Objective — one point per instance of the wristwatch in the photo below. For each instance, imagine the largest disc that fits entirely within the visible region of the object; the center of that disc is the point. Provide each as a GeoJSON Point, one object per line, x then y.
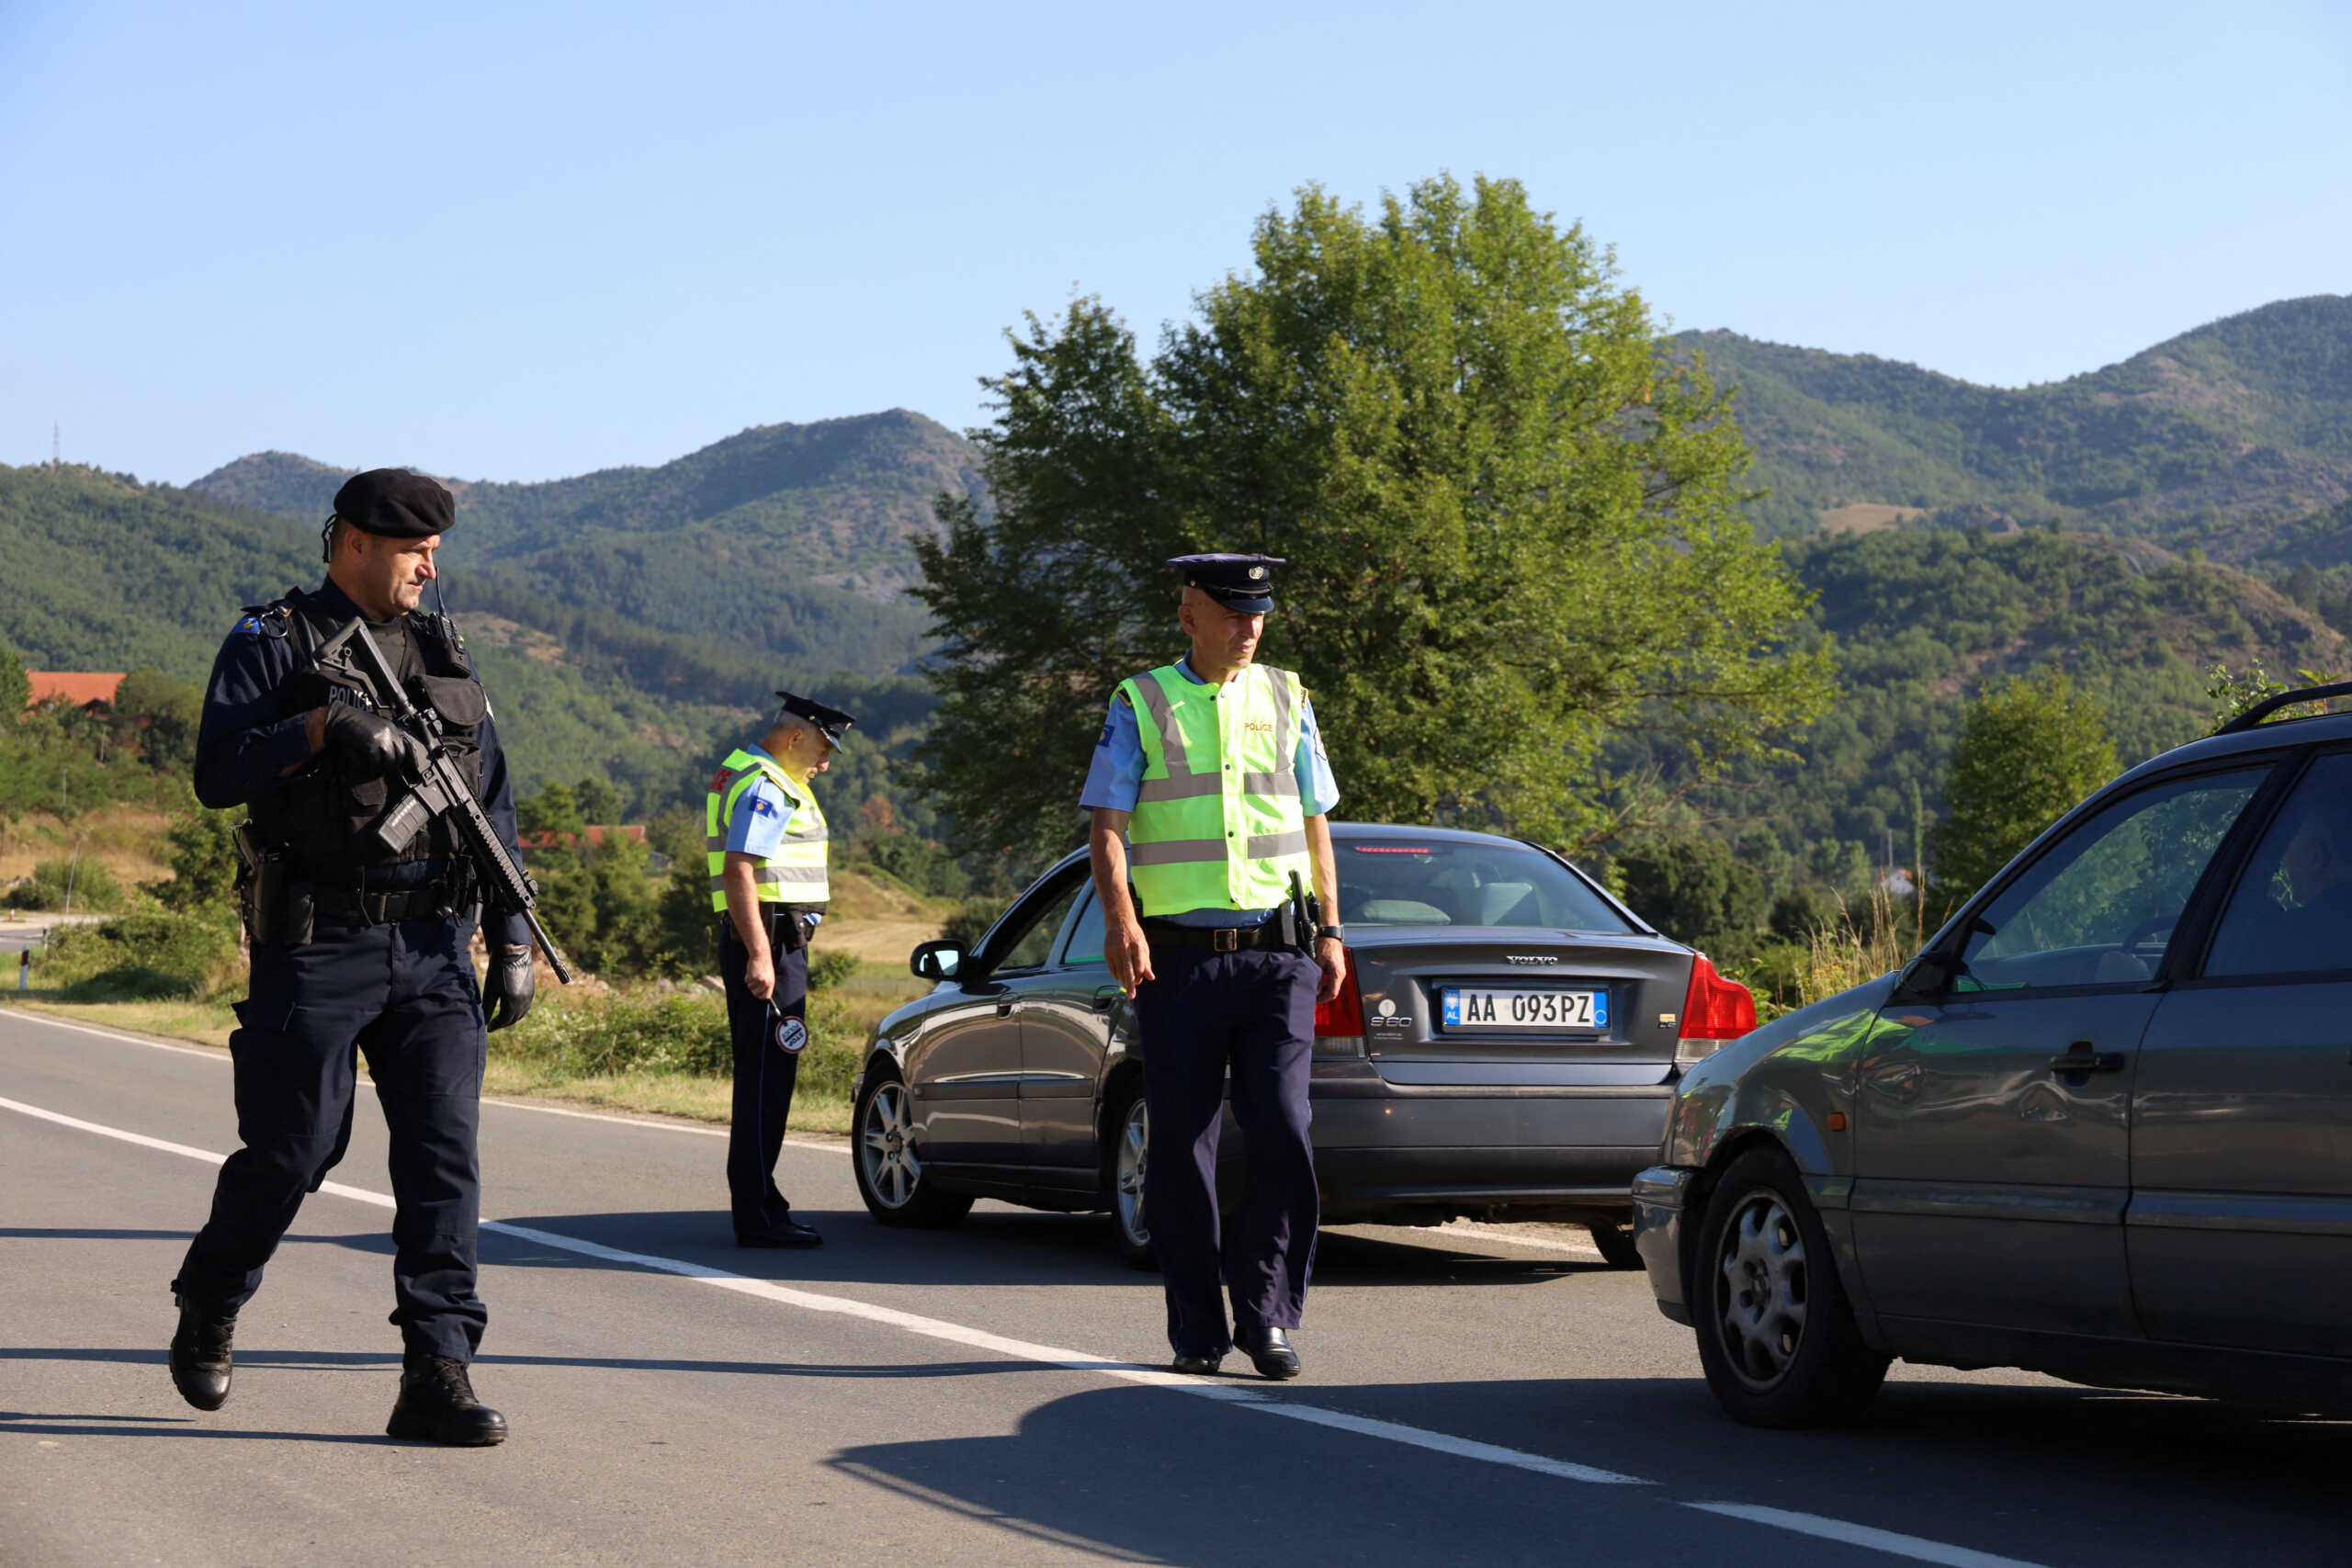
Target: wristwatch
{"type": "Point", "coordinates": [1336, 933]}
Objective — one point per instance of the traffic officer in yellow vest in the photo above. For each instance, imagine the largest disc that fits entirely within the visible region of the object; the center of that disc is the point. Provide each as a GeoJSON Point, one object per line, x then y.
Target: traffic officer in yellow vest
{"type": "Point", "coordinates": [1211, 794]}
{"type": "Point", "coordinates": [765, 842]}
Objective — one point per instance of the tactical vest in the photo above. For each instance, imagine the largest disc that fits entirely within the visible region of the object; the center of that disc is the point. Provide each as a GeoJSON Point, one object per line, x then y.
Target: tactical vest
{"type": "Point", "coordinates": [318, 814]}
{"type": "Point", "coordinates": [795, 874]}
{"type": "Point", "coordinates": [1217, 823]}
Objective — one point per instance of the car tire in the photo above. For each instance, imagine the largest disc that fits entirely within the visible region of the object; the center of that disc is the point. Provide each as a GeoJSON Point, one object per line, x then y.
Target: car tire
{"type": "Point", "coordinates": [1126, 1152]}
{"type": "Point", "coordinates": [891, 1175]}
{"type": "Point", "coordinates": [1616, 1242]}
{"type": "Point", "coordinates": [1776, 1334]}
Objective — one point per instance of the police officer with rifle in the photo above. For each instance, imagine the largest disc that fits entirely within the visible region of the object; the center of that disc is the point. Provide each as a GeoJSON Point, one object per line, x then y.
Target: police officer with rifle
{"type": "Point", "coordinates": [352, 727]}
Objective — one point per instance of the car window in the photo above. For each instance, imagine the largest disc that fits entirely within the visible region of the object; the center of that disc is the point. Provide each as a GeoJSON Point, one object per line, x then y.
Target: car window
{"type": "Point", "coordinates": [1085, 944]}
{"type": "Point", "coordinates": [1026, 947]}
{"type": "Point", "coordinates": [1406, 880]}
{"type": "Point", "coordinates": [2292, 910]}
{"type": "Point", "coordinates": [2099, 907]}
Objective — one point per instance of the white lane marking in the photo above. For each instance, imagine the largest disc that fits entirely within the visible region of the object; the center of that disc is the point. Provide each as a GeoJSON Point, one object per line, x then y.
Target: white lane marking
{"type": "Point", "coordinates": [1916, 1548]}
{"type": "Point", "coordinates": [217, 1053]}
{"type": "Point", "coordinates": [214, 1052]}
{"type": "Point", "coordinates": [935, 1328]}
{"type": "Point", "coordinates": [1478, 1233]}
{"type": "Point", "coordinates": [840, 1148]}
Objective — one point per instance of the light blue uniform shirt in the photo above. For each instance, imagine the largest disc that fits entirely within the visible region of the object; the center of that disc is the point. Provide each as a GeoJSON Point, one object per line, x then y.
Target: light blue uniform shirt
{"type": "Point", "coordinates": [761, 814]}
{"type": "Point", "coordinates": [1115, 781]}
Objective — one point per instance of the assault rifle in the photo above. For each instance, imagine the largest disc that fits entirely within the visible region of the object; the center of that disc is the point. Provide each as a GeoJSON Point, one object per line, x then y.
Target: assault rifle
{"type": "Point", "coordinates": [438, 791]}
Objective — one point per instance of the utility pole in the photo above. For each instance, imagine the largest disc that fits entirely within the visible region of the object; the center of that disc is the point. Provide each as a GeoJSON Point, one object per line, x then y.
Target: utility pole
{"type": "Point", "coordinates": [56, 447]}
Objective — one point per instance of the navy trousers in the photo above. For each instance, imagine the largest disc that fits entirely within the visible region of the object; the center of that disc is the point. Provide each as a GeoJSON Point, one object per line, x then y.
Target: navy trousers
{"type": "Point", "coordinates": [764, 1073]}
{"type": "Point", "coordinates": [1203, 1013]}
{"type": "Point", "coordinates": [405, 995]}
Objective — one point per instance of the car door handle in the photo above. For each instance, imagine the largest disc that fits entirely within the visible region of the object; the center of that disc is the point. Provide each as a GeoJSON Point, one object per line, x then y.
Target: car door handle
{"type": "Point", "coordinates": [2081, 1059]}
{"type": "Point", "coordinates": [1107, 998]}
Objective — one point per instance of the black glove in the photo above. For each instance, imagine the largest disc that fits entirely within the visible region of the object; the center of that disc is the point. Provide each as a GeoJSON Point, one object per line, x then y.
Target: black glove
{"type": "Point", "coordinates": [506, 989]}
{"type": "Point", "coordinates": [373, 744]}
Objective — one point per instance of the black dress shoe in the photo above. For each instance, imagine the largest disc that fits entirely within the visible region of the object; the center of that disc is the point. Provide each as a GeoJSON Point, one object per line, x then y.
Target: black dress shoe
{"type": "Point", "coordinates": [1198, 1366]}
{"type": "Point", "coordinates": [792, 1233]}
{"type": "Point", "coordinates": [1269, 1350]}
{"type": "Point", "coordinates": [201, 1353]}
{"type": "Point", "coordinates": [437, 1405]}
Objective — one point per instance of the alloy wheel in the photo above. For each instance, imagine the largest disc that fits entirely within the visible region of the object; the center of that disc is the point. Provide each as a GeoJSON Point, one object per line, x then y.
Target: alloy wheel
{"type": "Point", "coordinates": [1127, 1173]}
{"type": "Point", "coordinates": [886, 1148]}
{"type": "Point", "coordinates": [1760, 1294]}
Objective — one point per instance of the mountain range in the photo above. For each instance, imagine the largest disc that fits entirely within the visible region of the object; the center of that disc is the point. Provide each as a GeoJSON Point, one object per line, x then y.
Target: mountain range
{"type": "Point", "coordinates": [629, 618]}
{"type": "Point", "coordinates": [2235, 437]}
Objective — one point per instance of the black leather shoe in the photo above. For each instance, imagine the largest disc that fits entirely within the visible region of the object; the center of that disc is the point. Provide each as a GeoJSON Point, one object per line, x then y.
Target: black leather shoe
{"type": "Point", "coordinates": [1269, 1350]}
{"type": "Point", "coordinates": [1198, 1366]}
{"type": "Point", "coordinates": [437, 1405]}
{"type": "Point", "coordinates": [201, 1353]}
{"type": "Point", "coordinates": [792, 1233]}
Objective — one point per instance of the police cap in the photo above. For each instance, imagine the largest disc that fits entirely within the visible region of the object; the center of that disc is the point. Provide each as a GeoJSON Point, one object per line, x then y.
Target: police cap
{"type": "Point", "coordinates": [1239, 582]}
{"type": "Point", "coordinates": [396, 503]}
{"type": "Point", "coordinates": [831, 720]}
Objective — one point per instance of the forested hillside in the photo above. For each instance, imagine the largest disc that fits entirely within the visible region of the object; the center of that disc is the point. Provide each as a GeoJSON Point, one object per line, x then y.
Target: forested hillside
{"type": "Point", "coordinates": [2226, 436]}
{"type": "Point", "coordinates": [1924, 618]}
{"type": "Point", "coordinates": [107, 573]}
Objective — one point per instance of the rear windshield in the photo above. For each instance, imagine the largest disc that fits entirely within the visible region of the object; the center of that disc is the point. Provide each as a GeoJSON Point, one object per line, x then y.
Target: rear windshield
{"type": "Point", "coordinates": [1406, 881]}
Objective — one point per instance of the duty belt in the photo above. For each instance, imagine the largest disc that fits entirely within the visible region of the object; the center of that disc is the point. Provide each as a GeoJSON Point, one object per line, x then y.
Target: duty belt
{"type": "Point", "coordinates": [1217, 939]}
{"type": "Point", "coordinates": [390, 907]}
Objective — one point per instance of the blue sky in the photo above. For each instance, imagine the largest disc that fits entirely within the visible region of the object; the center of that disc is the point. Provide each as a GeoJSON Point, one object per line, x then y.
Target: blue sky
{"type": "Point", "coordinates": [507, 241]}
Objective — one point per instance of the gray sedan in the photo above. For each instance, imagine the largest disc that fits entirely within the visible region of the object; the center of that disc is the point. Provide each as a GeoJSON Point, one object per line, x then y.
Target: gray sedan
{"type": "Point", "coordinates": [2101, 1127]}
{"type": "Point", "coordinates": [1503, 1050]}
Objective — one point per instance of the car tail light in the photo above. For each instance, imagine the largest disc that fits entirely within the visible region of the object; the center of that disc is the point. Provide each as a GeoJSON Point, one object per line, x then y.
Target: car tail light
{"type": "Point", "coordinates": [1339, 1023]}
{"type": "Point", "coordinates": [1713, 1010]}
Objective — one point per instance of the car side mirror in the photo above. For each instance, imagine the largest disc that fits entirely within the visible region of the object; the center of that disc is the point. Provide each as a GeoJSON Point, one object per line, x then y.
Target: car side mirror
{"type": "Point", "coordinates": [938, 960]}
{"type": "Point", "coordinates": [1929, 978]}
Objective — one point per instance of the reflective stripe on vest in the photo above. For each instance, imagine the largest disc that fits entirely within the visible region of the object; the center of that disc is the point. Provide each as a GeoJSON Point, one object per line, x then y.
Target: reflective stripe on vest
{"type": "Point", "coordinates": [796, 873]}
{"type": "Point", "coordinates": [1217, 823]}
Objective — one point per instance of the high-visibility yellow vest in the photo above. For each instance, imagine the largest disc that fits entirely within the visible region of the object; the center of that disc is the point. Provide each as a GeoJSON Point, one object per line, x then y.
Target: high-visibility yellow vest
{"type": "Point", "coordinates": [796, 873]}
{"type": "Point", "coordinates": [1217, 824]}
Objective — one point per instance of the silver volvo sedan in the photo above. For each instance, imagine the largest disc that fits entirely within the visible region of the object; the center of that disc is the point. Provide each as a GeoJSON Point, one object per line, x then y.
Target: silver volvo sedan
{"type": "Point", "coordinates": [2101, 1127]}
{"type": "Point", "coordinates": [1503, 1050]}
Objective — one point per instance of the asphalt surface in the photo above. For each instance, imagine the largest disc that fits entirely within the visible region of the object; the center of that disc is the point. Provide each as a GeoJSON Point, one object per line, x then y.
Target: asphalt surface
{"type": "Point", "coordinates": [982, 1396]}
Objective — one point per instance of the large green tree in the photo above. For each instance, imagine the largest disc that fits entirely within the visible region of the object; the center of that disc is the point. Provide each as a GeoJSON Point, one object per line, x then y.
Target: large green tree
{"type": "Point", "coordinates": [2028, 750]}
{"type": "Point", "coordinates": [1511, 514]}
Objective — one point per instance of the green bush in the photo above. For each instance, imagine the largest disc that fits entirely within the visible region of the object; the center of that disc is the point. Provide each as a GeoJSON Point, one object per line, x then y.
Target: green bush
{"type": "Point", "coordinates": [971, 920]}
{"type": "Point", "coordinates": [829, 969]}
{"type": "Point", "coordinates": [679, 1032]}
{"type": "Point", "coordinates": [683, 1031]}
{"type": "Point", "coordinates": [140, 958]}
{"type": "Point", "coordinates": [93, 886]}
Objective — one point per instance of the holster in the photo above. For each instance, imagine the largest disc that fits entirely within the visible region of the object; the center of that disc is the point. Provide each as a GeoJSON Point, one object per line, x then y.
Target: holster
{"type": "Point", "coordinates": [790, 930]}
{"type": "Point", "coordinates": [264, 885]}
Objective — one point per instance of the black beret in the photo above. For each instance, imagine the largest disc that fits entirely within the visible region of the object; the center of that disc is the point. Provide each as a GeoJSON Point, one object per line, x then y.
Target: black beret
{"type": "Point", "coordinates": [397, 504]}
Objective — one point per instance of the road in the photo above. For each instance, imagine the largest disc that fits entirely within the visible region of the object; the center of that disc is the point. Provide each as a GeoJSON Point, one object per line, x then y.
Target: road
{"type": "Point", "coordinates": [984, 1395]}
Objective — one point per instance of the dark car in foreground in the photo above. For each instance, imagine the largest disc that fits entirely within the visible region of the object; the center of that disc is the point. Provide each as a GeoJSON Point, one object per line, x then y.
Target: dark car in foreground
{"type": "Point", "coordinates": [2100, 1127]}
{"type": "Point", "coordinates": [1503, 1049]}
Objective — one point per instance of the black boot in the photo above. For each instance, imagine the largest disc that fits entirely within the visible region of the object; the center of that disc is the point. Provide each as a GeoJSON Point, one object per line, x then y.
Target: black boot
{"type": "Point", "coordinates": [1269, 1349]}
{"type": "Point", "coordinates": [200, 1357]}
{"type": "Point", "coordinates": [437, 1405]}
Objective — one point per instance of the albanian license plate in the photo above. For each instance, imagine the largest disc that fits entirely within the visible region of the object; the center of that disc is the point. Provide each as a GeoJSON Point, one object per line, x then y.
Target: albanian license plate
{"type": "Point", "coordinates": [1464, 1008]}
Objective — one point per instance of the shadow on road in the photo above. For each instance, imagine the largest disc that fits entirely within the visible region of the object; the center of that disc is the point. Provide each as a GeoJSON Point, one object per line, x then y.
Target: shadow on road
{"type": "Point", "coordinates": [989, 1248]}
{"type": "Point", "coordinates": [2038, 1474]}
